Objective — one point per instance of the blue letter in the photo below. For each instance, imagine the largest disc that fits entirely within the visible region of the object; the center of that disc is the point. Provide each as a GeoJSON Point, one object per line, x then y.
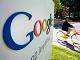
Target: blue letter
{"type": "Point", "coordinates": [7, 33]}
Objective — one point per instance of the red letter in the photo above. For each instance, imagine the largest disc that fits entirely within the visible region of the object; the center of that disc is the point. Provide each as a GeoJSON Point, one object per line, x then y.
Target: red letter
{"type": "Point", "coordinates": [35, 28]}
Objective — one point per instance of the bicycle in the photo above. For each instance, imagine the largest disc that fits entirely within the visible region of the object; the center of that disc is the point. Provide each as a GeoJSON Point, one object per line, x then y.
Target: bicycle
{"type": "Point", "coordinates": [74, 37]}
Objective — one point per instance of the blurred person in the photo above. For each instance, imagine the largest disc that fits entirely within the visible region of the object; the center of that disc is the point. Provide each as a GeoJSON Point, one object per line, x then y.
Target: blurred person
{"type": "Point", "coordinates": [67, 28]}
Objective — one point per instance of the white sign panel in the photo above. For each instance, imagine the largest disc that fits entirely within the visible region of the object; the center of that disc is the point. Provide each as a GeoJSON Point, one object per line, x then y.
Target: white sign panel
{"type": "Point", "coordinates": [26, 29]}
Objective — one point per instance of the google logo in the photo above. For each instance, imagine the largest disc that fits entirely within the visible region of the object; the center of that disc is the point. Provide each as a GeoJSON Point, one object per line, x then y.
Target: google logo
{"type": "Point", "coordinates": [44, 26]}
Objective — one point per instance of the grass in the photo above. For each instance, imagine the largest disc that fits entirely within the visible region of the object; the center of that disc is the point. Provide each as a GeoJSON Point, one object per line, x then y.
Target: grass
{"type": "Point", "coordinates": [59, 53]}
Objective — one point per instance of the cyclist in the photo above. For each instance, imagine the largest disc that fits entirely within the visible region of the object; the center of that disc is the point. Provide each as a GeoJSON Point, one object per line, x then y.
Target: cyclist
{"type": "Point", "coordinates": [66, 28]}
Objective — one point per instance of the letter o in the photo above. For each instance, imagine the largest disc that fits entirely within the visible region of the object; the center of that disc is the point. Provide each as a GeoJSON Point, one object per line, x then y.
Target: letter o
{"type": "Point", "coordinates": [44, 28]}
{"type": "Point", "coordinates": [35, 28]}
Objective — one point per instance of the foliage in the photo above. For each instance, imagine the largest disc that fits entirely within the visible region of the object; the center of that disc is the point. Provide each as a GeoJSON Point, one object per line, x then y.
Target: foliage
{"type": "Point", "coordinates": [57, 6]}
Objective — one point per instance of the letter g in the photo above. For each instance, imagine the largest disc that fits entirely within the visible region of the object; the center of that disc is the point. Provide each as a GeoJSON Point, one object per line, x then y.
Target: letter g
{"type": "Point", "coordinates": [7, 33]}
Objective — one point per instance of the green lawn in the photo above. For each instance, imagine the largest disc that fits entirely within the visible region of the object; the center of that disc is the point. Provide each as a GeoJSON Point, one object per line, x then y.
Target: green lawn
{"type": "Point", "coordinates": [59, 53]}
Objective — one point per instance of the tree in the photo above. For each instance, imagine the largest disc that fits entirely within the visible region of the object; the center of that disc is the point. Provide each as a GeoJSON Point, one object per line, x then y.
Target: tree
{"type": "Point", "coordinates": [63, 2]}
{"type": "Point", "coordinates": [57, 6]}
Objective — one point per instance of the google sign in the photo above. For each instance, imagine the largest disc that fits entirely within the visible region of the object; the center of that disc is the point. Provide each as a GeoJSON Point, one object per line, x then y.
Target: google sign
{"type": "Point", "coordinates": [44, 26]}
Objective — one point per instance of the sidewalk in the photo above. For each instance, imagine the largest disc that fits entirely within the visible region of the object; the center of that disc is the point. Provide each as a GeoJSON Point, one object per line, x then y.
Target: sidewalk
{"type": "Point", "coordinates": [68, 45]}
{"type": "Point", "coordinates": [54, 42]}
